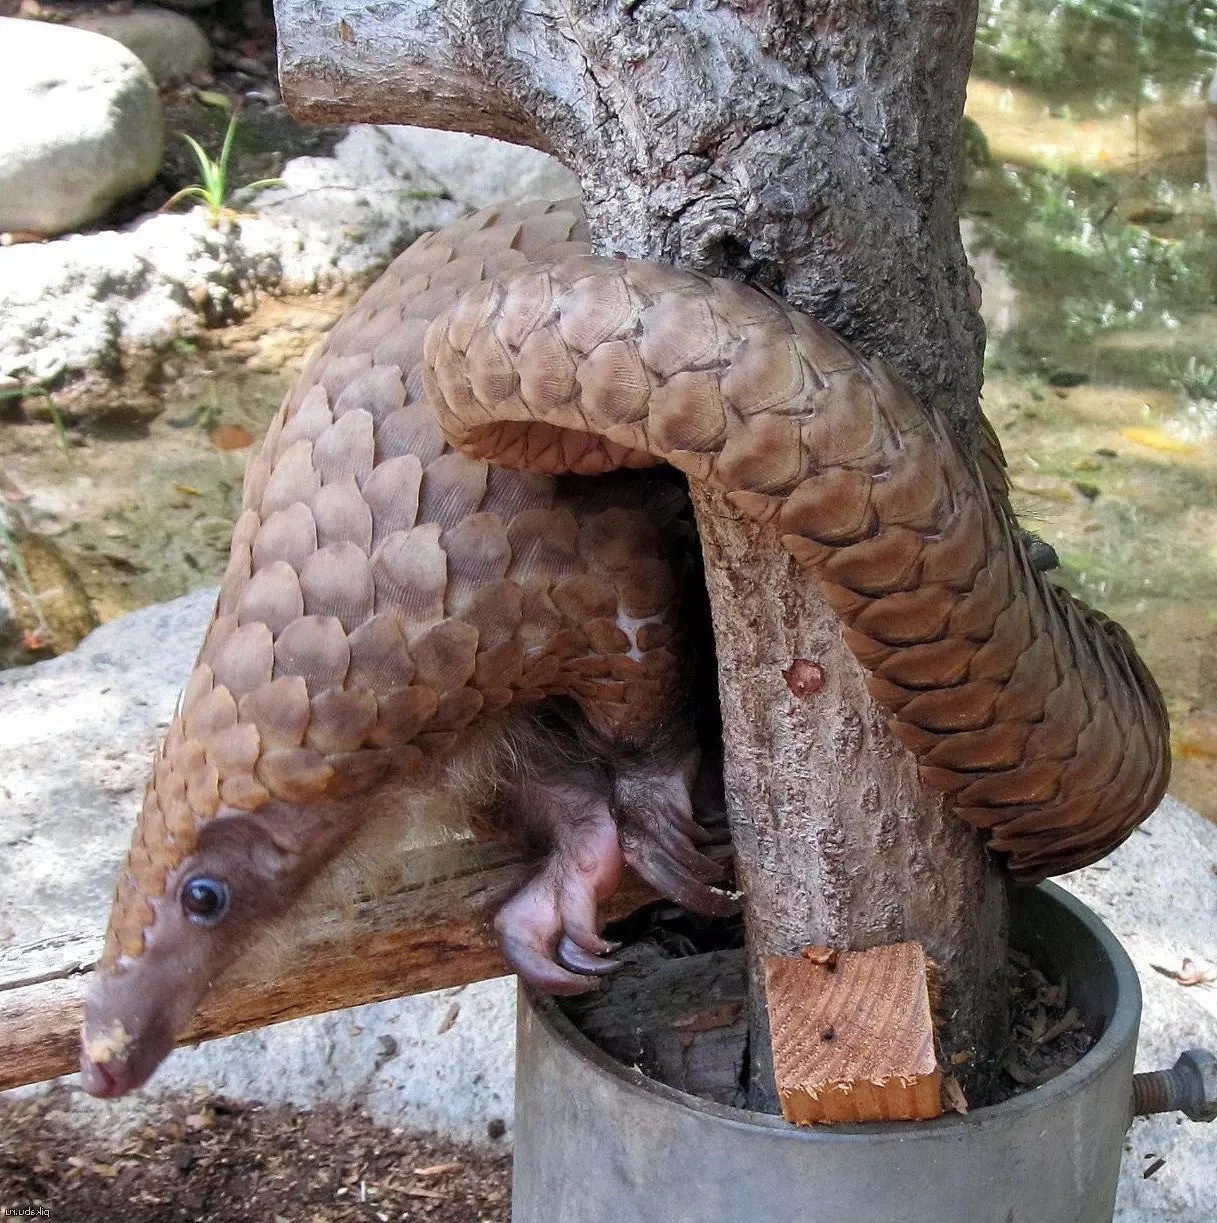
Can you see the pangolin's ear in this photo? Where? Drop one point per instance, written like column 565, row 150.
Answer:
column 262, row 842
column 299, row 834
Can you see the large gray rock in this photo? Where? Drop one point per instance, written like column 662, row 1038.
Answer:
column 484, row 171
column 82, row 127
column 75, row 737
column 169, row 45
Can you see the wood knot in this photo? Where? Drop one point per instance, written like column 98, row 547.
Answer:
column 804, row 677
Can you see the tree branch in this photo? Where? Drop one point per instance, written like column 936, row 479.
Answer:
column 807, row 146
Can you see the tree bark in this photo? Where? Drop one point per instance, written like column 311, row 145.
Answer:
column 809, row 147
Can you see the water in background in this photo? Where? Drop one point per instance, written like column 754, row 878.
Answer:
column 1091, row 221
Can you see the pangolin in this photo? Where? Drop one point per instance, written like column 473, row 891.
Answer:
column 425, row 572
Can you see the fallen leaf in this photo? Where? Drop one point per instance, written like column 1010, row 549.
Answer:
column 1070, row 1021
column 437, row 1169
column 1196, row 737
column 1157, row 439
column 1187, row 973
column 953, row 1099
column 231, row 437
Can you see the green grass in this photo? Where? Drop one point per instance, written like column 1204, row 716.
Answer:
column 61, row 431
column 1084, row 272
column 213, row 191
column 23, row 576
column 1113, row 49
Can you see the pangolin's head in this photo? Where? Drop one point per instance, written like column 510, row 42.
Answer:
column 260, row 781
column 175, row 928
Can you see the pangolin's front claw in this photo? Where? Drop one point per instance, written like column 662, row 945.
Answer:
column 574, row 957
column 538, row 966
column 549, row 931
column 676, row 881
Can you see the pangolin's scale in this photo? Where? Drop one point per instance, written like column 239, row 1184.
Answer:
column 385, row 590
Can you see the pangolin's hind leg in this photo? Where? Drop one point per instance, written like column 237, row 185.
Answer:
column 588, row 824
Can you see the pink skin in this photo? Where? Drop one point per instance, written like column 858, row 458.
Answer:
column 136, row 1009
column 549, row 932
column 551, row 926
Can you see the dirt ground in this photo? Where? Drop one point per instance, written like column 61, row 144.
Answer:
column 224, row 1162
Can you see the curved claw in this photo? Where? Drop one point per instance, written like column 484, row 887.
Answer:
column 549, row 930
column 668, row 877
column 684, row 852
column 686, row 823
column 579, row 923
column 540, row 970
column 571, row 955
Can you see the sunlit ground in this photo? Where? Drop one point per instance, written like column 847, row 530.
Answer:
column 1089, row 209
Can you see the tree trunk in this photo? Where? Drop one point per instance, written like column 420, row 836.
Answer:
column 807, row 146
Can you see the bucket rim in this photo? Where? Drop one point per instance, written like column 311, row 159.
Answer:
column 1118, row 1034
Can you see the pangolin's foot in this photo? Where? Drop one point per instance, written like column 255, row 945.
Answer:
column 549, row 931
column 678, row 855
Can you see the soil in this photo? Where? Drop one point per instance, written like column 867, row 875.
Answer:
column 121, row 514
column 241, row 1163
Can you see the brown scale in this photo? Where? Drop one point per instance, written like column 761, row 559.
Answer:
column 1031, row 711
column 384, row 590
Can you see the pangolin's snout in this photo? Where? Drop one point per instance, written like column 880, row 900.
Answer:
column 104, row 1081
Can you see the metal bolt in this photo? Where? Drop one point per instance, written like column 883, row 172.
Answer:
column 1189, row 1086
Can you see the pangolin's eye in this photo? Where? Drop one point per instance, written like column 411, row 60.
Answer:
column 204, row 900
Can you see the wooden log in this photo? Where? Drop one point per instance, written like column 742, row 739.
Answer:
column 424, row 935
column 853, row 1035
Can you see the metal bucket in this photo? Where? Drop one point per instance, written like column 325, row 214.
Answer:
column 598, row 1142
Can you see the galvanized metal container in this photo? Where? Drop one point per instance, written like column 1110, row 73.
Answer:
column 598, row 1142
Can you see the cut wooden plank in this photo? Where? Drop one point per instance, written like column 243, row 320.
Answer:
column 426, row 934
column 853, row 1035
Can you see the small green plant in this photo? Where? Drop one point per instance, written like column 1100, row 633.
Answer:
column 214, row 189
column 61, row 431
column 42, row 633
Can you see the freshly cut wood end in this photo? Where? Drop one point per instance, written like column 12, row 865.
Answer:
column 853, row 1036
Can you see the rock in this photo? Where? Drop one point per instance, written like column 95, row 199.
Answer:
column 170, row 45
column 999, row 304
column 74, row 744
column 83, row 126
column 75, row 739
column 11, row 650
column 74, row 309
column 482, row 171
